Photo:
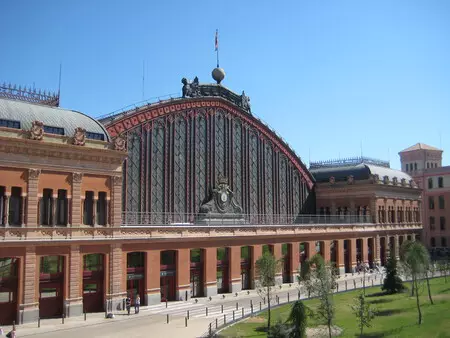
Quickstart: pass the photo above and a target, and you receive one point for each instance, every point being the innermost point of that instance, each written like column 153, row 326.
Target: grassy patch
column 397, row 315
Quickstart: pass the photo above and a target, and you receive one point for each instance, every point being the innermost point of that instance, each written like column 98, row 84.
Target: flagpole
column 217, row 47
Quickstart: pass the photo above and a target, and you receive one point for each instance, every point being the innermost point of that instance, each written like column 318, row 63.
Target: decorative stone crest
column 37, row 130
column 79, row 136
column 350, row 179
column 332, row 180
column 412, row 184
column 394, row 180
column 403, row 182
column 386, row 179
column 190, row 89
column 221, row 206
column 120, row 143
column 375, row 178
column 77, row 177
column 34, row 173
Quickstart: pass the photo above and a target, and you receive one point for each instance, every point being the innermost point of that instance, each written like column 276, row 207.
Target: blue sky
column 326, row 75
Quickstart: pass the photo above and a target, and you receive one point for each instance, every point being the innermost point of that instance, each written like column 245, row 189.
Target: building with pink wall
column 424, row 164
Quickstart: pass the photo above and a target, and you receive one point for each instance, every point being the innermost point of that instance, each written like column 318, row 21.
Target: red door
column 50, row 298
column 167, row 288
column 8, row 300
column 93, row 291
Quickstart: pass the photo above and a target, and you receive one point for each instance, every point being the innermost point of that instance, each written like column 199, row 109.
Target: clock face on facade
column 224, row 197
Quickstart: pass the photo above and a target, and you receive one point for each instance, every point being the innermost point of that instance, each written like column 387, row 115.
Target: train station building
column 174, row 200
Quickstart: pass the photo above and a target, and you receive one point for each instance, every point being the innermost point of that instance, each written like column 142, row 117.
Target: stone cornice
column 185, row 233
column 61, row 151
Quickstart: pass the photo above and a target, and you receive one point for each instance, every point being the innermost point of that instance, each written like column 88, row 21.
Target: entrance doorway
column 51, row 286
column 168, row 275
column 286, row 252
column 383, row 251
column 9, row 268
column 135, row 276
column 347, row 256
column 93, row 276
column 197, row 272
column 246, row 277
column 222, row 270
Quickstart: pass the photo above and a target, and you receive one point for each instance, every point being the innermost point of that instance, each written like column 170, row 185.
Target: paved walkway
column 152, row 320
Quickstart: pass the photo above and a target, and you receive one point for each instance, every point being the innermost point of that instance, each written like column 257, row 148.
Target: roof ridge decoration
column 349, row 161
column 194, row 89
column 31, row 95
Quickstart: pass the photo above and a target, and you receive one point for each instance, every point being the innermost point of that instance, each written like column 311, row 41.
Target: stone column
column 210, row 272
column 54, row 202
column 235, row 269
column 183, row 273
column 77, row 212
column 29, row 307
column 74, row 301
column 278, row 256
column 152, row 277
column 116, row 201
column 374, row 210
column 376, row 257
column 256, row 253
column 108, row 205
column 69, row 207
column 365, row 250
column 94, row 211
column 326, row 250
column 7, row 198
column 311, row 249
column 32, row 198
column 340, row 257
column 24, row 209
column 294, row 260
column 82, row 199
column 117, row 289
column 397, row 247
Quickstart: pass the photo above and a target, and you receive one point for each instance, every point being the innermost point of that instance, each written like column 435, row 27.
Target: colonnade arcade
column 73, row 279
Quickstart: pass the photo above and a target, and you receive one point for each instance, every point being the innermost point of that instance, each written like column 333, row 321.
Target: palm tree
column 299, row 320
column 416, row 259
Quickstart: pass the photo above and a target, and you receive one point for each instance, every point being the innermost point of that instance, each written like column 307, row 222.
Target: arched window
column 433, row 242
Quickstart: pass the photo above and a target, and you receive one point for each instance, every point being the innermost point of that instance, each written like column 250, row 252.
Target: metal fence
column 180, row 219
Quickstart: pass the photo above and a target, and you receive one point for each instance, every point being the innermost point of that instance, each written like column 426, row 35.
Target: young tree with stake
column 266, row 268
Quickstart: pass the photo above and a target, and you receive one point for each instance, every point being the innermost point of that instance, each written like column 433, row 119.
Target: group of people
column 363, row 267
column 137, row 304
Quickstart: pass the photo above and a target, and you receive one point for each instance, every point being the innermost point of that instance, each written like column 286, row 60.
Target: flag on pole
column 217, row 40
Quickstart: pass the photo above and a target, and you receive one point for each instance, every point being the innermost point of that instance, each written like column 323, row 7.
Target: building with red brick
column 175, row 199
column 424, row 164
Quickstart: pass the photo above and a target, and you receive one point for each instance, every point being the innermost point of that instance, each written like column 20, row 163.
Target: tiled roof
column 69, row 120
column 419, row 146
column 361, row 171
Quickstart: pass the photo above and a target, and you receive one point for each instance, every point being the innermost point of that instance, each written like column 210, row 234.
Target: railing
column 180, row 219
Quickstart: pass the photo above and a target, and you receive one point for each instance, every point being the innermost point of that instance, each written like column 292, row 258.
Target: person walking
column 128, row 304
column 137, row 303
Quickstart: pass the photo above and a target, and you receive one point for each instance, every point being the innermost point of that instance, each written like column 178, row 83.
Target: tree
column 266, row 268
column 363, row 312
column 279, row 330
column 392, row 282
column 416, row 259
column 298, row 318
column 320, row 281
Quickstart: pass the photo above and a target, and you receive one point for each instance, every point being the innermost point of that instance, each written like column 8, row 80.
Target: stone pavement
column 152, row 320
